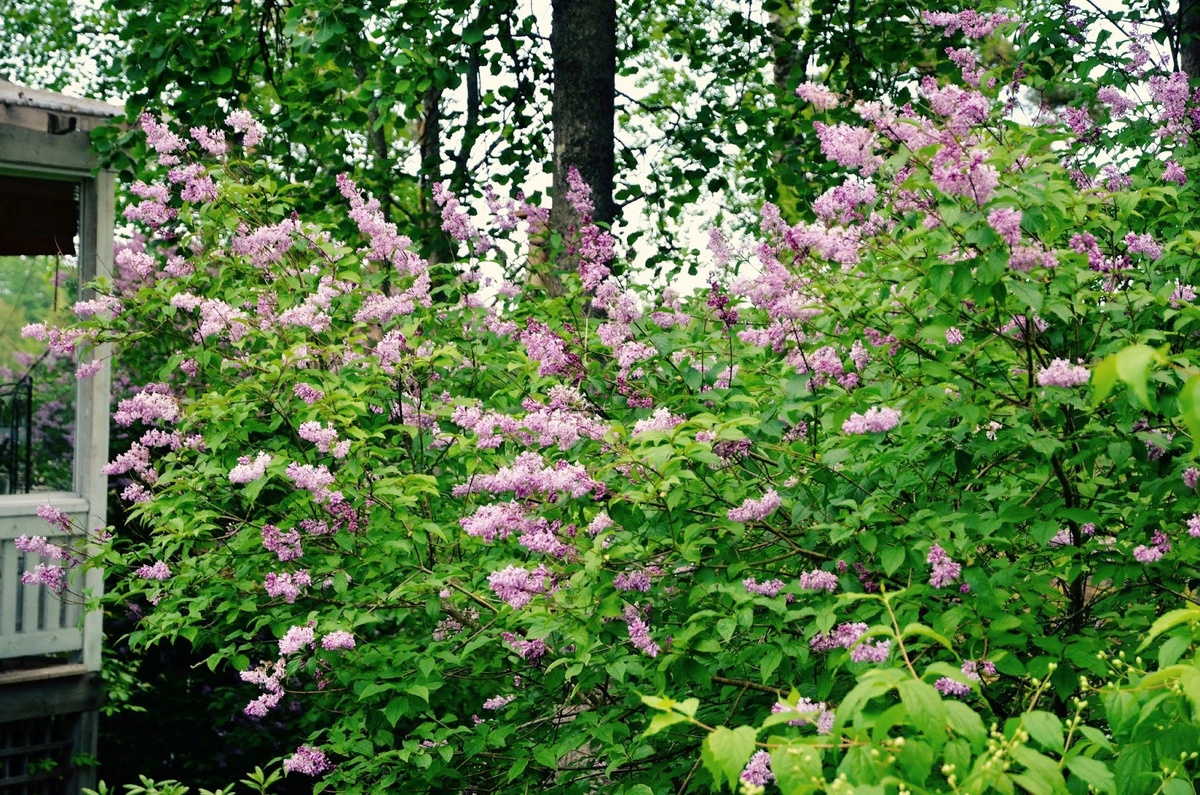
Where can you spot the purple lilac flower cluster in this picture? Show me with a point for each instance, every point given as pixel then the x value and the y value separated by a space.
pixel 752 510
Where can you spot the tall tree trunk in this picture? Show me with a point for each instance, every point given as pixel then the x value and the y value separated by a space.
pixel 583 46
pixel 1189 37
pixel 429 139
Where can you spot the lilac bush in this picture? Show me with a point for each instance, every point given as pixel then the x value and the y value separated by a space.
pixel 861 475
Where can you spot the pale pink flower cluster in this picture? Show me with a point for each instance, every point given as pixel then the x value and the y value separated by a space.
pixel 48 575
pixel 661 420
pixel 151 404
pixel 1007 223
pixel 247 470
pixel 1062 373
pixel 159 571
pixel 771 588
pixel 54 517
pixel 599 523
pixel 877 419
pixel 289 585
pixel 387 245
pixel 846 636
pixel 637 580
pixel 639 631
pixel 498 702
pixel 106 306
pixel 307 760
pixel 241 121
pixel 517 586
pixel 338 640
pixel 818 580
pixel 973 24
pixel 529 474
pixel 945 571
pixel 752 510
pixel 326 439
pixel 308 393
pixel 295 639
pixel 758 770
pixel 286 546
pixel 40 546
pixel 527 649
pixel 817 95
pixel 314 479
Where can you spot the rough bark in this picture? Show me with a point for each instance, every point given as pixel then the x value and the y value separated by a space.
pixel 583 45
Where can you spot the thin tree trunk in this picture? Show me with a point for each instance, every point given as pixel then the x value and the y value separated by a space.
pixel 1189 37
pixel 583 45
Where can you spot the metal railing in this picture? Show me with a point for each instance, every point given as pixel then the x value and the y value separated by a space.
pixel 16 437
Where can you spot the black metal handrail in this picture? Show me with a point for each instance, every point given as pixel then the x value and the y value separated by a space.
pixel 16 447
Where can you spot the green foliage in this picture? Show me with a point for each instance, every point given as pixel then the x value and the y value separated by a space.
pixel 794 514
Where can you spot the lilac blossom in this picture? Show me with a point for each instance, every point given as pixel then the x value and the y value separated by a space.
pixel 817 95
pixel 309 394
pixel 48 575
pixel 952 687
pixel 54 517
pixel 1007 223
pixel 877 419
pixel 818 580
pixel 286 546
pixel 954 336
pixel 288 585
pixel 758 770
pixel 498 702
pixel 338 640
pixel 307 760
pixel 526 649
pixel 639 631
pixel 247 470
pixel 1173 172
pixel 242 122
pixel 637 580
pixel 159 571
pixel 661 420
pixel 945 571
pixel 41 547
pixel 752 510
pixel 770 588
pixel 517 586
pixel 295 639
pixel 1062 373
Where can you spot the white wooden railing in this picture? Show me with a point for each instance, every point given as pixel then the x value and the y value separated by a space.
pixel 34 621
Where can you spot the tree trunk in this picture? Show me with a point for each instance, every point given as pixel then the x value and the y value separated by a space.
pixel 583 46
pixel 1189 37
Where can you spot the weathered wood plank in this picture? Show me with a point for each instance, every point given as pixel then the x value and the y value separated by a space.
pixel 32 644
pixel 9 583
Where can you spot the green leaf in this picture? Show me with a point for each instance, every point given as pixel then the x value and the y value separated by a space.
pixel 965 721
pixel 222 75
pixel 926 709
pixel 1104 378
pixel 1133 771
pixel 1169 620
pixel 1133 366
pixel 725 753
pixel 795 765
pixel 1189 408
pixel 891 557
pixel 1044 728
pixel 1095 773
pixel 661 721
pixel 1028 293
